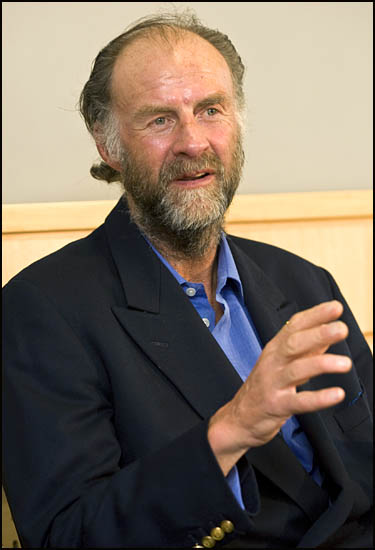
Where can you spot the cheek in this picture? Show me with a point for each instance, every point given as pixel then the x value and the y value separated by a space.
pixel 222 140
pixel 154 150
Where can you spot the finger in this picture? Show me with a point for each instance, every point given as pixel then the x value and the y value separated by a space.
pixel 301 370
pixel 310 401
pixel 317 315
pixel 314 340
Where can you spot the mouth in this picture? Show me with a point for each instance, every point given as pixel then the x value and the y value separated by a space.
pixel 195 179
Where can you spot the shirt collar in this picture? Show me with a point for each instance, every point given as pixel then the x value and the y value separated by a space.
pixel 226 269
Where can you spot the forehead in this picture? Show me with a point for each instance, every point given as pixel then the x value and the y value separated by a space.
pixel 165 71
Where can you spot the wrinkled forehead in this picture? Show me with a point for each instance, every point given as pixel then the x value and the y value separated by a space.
pixel 155 62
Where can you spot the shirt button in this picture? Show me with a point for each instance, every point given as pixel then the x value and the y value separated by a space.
pixel 191 292
pixel 206 321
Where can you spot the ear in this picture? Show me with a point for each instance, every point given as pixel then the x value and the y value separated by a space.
pixel 115 164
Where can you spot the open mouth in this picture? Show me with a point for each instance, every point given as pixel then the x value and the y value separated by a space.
pixel 193 177
pixel 196 178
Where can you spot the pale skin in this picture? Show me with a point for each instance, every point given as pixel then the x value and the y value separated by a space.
pixel 184 105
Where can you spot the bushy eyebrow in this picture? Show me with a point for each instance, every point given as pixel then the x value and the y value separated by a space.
pixel 152 110
pixel 214 99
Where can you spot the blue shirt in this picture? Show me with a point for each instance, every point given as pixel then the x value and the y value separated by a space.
pixel 237 336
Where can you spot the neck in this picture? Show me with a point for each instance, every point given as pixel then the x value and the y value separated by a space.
pixel 195 270
pixel 199 268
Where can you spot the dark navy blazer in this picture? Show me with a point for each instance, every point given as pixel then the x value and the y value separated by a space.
pixel 106 404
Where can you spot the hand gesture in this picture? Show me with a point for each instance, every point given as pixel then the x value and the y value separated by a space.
pixel 269 396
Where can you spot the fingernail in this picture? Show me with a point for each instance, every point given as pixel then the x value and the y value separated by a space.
pixel 336 328
pixel 337 394
pixel 344 361
pixel 336 304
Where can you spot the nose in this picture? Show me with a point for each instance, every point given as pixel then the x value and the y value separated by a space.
pixel 190 139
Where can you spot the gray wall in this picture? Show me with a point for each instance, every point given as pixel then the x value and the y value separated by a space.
pixel 308 86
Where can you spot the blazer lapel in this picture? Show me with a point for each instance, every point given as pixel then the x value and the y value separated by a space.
pixel 161 320
pixel 341 488
pixel 182 347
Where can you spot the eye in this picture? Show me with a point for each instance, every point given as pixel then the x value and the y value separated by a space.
pixel 211 111
pixel 160 121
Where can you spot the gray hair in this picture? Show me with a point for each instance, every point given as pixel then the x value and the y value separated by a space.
pixel 95 103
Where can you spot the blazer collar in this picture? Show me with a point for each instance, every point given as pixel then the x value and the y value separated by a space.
pixel 163 322
pixel 140 273
pixel 137 267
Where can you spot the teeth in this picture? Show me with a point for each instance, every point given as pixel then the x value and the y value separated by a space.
pixel 196 176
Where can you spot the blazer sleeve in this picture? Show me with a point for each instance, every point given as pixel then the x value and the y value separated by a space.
pixel 61 460
pixel 359 349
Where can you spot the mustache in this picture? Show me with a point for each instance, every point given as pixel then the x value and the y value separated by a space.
pixel 179 167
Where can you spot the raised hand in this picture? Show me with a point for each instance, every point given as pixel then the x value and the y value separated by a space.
pixel 269 395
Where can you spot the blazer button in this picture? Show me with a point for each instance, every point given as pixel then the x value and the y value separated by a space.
pixel 227 526
pixel 208 542
pixel 217 533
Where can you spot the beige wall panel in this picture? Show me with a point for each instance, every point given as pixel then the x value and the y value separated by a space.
pixel 301 206
pixel 9 537
pixel 370 340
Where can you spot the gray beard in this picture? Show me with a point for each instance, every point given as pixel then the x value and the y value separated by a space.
pixel 186 222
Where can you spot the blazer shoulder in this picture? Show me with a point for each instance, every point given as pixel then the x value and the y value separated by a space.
pixel 298 279
pixel 70 266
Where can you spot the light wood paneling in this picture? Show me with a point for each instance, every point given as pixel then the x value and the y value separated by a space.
pixel 9 537
pixel 54 216
pixel 64 216
pixel 300 206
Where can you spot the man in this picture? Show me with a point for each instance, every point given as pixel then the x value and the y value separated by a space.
pixel 167 385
